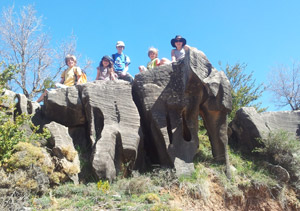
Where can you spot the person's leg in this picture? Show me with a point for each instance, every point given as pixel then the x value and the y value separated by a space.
pixel 164 61
pixel 41 98
pixel 142 68
pixel 59 85
pixel 128 78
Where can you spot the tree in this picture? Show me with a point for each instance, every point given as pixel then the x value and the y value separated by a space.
pixel 23 43
pixel 6 75
pixel 244 90
pixel 284 83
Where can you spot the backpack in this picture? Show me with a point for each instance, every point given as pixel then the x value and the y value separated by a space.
pixel 83 78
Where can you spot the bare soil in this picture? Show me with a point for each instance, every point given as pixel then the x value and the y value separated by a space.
pixel 254 198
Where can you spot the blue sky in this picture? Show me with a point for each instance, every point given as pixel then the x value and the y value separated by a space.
pixel 262 34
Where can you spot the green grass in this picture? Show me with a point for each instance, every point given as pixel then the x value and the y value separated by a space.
pixel 125 194
pixel 151 191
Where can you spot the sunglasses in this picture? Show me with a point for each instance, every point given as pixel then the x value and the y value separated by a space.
pixel 178 41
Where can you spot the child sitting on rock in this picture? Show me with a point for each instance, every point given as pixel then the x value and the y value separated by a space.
pixel 153 54
pixel 105 71
pixel 69 77
pixel 121 63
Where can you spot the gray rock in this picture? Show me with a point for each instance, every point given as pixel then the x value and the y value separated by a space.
pixel 22 104
pixel 278 171
pixel 286 120
pixel 64 106
pixel 67 157
pixel 248 126
pixel 9 99
pixel 154 120
pixel 170 99
pixel 114 124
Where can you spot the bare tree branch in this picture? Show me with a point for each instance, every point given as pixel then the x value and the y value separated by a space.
pixel 284 83
pixel 23 43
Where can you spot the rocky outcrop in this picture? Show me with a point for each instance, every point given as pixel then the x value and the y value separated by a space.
pixel 111 119
pixel 170 99
pixel 114 124
pixel 153 121
pixel 248 126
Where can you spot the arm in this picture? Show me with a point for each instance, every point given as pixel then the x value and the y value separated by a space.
pixel 62 80
pixel 78 74
pixel 125 70
pixel 157 62
pixel 98 73
pixel 173 56
pixel 186 47
pixel 127 63
pixel 112 75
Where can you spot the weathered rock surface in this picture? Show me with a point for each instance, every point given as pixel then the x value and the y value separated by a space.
pixel 66 157
pixel 114 124
pixel 248 125
pixel 170 99
pixel 152 121
pixel 64 106
pixel 111 119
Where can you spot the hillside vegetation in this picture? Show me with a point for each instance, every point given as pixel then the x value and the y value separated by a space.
pixel 252 186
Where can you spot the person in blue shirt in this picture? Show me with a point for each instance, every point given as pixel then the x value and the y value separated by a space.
pixel 121 62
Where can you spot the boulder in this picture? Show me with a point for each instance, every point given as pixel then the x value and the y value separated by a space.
pixel 64 106
pixel 248 126
pixel 170 99
pixel 66 157
pixel 114 125
pixel 108 114
pixel 7 102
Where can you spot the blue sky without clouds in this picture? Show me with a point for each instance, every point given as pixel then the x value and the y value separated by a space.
pixel 260 33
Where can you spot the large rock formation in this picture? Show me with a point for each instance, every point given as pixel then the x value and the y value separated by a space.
pixel 170 99
pixel 152 121
pixel 111 119
pixel 248 126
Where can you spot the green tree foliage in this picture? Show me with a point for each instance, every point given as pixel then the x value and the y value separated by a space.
pixel 6 75
pixel 48 83
pixel 244 90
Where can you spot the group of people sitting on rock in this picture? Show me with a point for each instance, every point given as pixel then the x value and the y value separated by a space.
pixel 116 67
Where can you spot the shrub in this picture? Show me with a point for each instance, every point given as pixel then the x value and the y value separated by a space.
pixel 280 148
pixel 135 185
pixel 12 132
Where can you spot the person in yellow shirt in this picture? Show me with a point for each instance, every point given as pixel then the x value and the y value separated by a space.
pixel 69 77
pixel 153 54
pixel 72 74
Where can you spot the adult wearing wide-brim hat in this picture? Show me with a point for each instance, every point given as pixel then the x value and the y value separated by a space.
pixel 179 43
pixel 178 38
